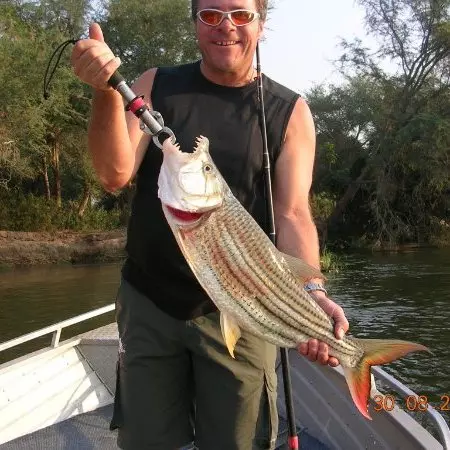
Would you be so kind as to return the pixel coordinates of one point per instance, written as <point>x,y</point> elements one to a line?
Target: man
<point>171,351</point>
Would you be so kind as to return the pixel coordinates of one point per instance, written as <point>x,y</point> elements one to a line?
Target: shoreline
<point>25,249</point>
<point>36,248</point>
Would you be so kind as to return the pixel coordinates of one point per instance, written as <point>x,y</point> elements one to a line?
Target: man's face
<point>226,47</point>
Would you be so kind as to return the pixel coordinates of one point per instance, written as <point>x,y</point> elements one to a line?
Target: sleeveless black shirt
<point>191,106</point>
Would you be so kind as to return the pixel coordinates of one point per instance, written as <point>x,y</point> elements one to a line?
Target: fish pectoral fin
<point>230,331</point>
<point>300,269</point>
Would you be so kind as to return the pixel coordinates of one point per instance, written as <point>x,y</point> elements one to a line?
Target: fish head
<point>189,184</point>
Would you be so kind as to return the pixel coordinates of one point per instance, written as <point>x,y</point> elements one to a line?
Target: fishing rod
<point>293,440</point>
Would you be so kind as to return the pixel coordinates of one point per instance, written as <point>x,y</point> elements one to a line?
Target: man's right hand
<point>93,61</point>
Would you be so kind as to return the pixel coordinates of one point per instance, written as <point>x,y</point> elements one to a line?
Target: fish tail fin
<point>376,352</point>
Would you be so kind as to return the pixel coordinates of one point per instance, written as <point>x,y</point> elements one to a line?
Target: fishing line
<point>60,47</point>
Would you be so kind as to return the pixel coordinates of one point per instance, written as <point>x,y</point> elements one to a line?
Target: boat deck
<point>90,431</point>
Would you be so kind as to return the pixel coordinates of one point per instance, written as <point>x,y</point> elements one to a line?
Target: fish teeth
<point>201,143</point>
<point>198,142</point>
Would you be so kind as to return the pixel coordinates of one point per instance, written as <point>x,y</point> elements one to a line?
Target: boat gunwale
<point>400,388</point>
<point>56,328</point>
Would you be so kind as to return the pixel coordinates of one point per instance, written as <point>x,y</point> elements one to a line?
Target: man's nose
<point>227,24</point>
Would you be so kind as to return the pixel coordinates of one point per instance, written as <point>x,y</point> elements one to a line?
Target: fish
<point>255,286</point>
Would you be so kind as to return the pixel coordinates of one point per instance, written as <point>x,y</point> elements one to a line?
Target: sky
<point>302,37</point>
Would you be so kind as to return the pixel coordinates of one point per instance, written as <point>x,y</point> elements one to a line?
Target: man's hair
<point>261,7</point>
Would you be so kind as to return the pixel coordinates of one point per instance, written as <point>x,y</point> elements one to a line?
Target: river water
<point>401,296</point>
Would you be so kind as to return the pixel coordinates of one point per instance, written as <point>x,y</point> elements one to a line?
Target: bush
<point>440,232</point>
<point>322,205</point>
<point>21,212</point>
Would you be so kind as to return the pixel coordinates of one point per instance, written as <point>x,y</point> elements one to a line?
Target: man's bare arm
<point>296,231</point>
<point>116,143</point>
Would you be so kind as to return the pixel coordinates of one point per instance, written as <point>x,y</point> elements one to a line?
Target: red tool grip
<point>293,442</point>
<point>136,104</point>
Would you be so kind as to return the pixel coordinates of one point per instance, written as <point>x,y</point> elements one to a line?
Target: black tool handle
<point>115,79</point>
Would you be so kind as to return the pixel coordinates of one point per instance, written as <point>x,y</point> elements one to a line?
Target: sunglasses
<point>238,17</point>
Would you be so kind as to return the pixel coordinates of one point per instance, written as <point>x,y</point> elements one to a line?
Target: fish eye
<point>207,167</point>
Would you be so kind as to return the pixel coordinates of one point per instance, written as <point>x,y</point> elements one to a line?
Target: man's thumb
<point>95,32</point>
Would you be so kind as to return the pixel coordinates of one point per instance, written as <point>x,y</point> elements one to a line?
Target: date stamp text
<point>411,403</point>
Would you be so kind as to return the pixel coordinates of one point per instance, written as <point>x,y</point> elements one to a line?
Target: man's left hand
<point>315,350</point>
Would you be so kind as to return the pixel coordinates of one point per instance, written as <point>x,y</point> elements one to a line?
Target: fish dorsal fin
<point>230,331</point>
<point>300,269</point>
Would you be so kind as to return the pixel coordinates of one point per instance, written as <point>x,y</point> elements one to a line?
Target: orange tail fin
<point>376,352</point>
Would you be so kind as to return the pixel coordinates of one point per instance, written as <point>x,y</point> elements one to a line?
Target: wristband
<point>314,287</point>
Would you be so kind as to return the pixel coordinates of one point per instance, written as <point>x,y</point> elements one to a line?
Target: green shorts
<point>177,383</point>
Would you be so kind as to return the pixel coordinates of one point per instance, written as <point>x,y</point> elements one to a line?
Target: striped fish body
<point>254,285</point>
<point>250,280</point>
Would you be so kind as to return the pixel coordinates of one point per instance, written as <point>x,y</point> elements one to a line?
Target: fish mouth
<point>184,217</point>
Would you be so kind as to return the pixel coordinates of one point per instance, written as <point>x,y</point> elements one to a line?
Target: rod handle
<point>115,79</point>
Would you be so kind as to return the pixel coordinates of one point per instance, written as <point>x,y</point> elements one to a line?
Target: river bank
<point>18,249</point>
<point>24,249</point>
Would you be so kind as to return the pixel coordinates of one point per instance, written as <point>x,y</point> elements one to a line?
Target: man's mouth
<point>226,43</point>
<point>184,216</point>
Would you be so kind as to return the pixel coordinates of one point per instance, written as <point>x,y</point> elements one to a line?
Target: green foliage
<point>384,138</point>
<point>322,205</point>
<point>43,143</point>
<point>21,212</point>
<point>330,262</point>
<point>441,232</point>
<point>44,133</point>
<point>149,34</point>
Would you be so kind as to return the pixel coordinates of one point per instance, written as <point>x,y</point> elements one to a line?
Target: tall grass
<point>330,262</point>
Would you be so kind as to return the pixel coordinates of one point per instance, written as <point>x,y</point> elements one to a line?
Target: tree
<point>43,145</point>
<point>405,153</point>
<point>149,34</point>
<point>38,126</point>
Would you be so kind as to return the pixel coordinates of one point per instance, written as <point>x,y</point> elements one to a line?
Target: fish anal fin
<point>300,269</point>
<point>230,331</point>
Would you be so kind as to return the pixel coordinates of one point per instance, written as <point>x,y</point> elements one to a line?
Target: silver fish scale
<point>240,269</point>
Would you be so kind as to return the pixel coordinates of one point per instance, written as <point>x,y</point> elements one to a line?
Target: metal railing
<point>56,328</point>
<point>438,420</point>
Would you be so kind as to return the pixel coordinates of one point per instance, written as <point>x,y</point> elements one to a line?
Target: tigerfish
<point>255,286</point>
